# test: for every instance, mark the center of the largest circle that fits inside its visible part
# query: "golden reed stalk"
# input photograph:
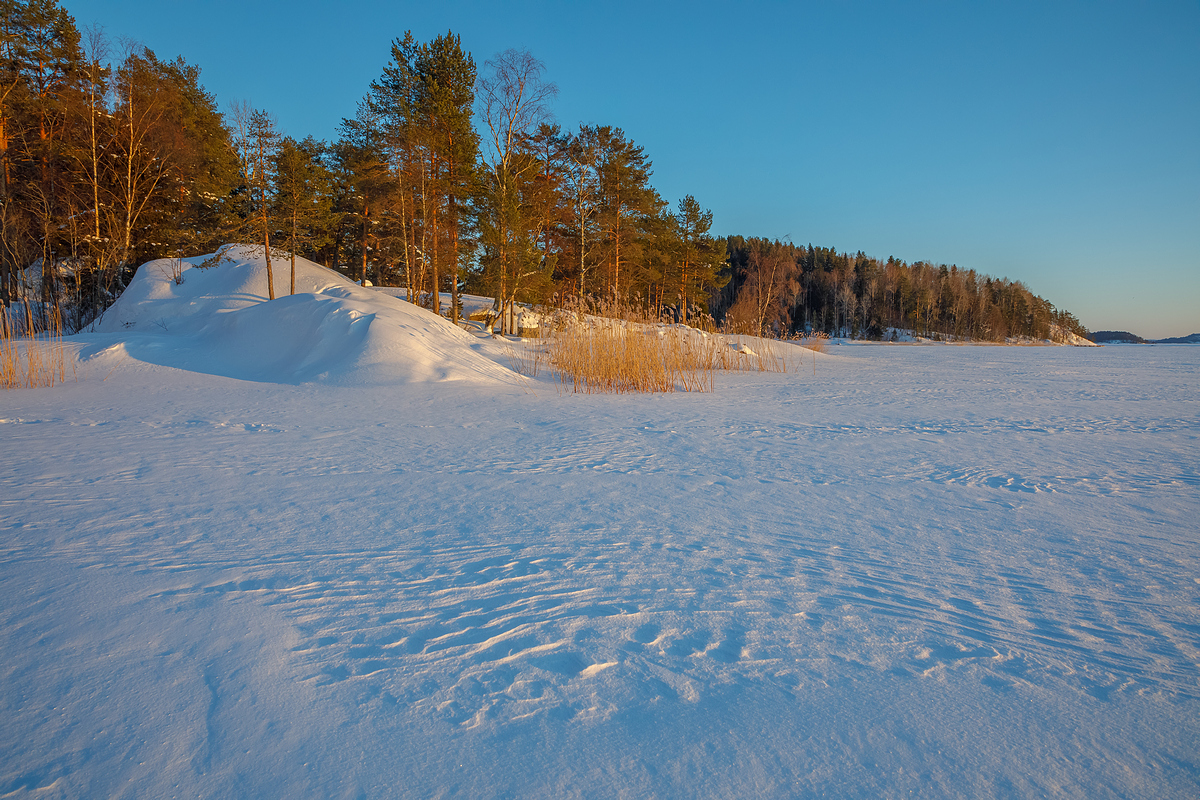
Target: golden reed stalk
(31, 356)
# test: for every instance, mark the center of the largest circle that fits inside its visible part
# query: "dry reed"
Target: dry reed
(31, 355)
(626, 352)
(528, 361)
(608, 356)
(815, 342)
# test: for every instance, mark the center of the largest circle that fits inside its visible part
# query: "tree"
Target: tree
(627, 202)
(171, 174)
(698, 257)
(141, 147)
(445, 102)
(768, 281)
(392, 102)
(11, 85)
(257, 140)
(47, 57)
(361, 161)
(198, 207)
(264, 141)
(549, 204)
(419, 114)
(303, 197)
(90, 156)
(583, 190)
(515, 99)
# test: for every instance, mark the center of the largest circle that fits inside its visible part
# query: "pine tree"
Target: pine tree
(627, 201)
(698, 257)
(583, 191)
(303, 196)
(418, 115)
(197, 208)
(392, 101)
(446, 98)
(47, 58)
(257, 141)
(361, 159)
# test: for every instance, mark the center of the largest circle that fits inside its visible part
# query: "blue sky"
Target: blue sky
(1053, 143)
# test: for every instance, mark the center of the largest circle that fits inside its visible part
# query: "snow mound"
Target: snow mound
(211, 314)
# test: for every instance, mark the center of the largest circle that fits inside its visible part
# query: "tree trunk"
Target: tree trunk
(435, 297)
(454, 265)
(267, 255)
(365, 228)
(582, 239)
(293, 249)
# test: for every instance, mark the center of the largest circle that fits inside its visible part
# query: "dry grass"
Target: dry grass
(608, 356)
(623, 351)
(529, 361)
(750, 354)
(31, 354)
(815, 342)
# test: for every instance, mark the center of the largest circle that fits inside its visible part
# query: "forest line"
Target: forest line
(451, 177)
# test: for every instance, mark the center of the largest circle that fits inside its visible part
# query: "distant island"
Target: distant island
(1125, 337)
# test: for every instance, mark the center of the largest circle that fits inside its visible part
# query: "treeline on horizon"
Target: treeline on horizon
(449, 178)
(785, 289)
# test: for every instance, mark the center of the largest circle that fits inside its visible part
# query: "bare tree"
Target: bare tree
(95, 54)
(515, 102)
(771, 279)
(142, 159)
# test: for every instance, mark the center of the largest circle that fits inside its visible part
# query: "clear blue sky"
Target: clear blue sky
(1053, 143)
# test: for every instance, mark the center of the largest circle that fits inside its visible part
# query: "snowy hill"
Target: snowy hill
(216, 319)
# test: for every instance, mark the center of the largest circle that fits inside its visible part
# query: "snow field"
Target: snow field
(946, 572)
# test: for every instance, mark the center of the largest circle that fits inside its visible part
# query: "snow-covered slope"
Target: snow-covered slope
(1070, 337)
(217, 320)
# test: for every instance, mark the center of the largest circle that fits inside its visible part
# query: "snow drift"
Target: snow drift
(211, 314)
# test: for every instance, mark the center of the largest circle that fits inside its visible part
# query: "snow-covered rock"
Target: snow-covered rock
(1061, 336)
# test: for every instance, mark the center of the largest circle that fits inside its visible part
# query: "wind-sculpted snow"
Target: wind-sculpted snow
(942, 572)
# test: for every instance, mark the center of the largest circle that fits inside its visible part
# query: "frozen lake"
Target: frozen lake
(940, 571)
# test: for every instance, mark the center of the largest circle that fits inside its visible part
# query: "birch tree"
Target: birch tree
(515, 100)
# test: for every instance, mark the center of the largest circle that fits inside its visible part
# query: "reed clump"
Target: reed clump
(31, 349)
(611, 347)
(607, 356)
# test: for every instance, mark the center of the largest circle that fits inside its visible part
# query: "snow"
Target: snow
(1059, 336)
(332, 330)
(1070, 337)
(330, 546)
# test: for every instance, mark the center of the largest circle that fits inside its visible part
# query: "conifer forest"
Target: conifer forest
(452, 177)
